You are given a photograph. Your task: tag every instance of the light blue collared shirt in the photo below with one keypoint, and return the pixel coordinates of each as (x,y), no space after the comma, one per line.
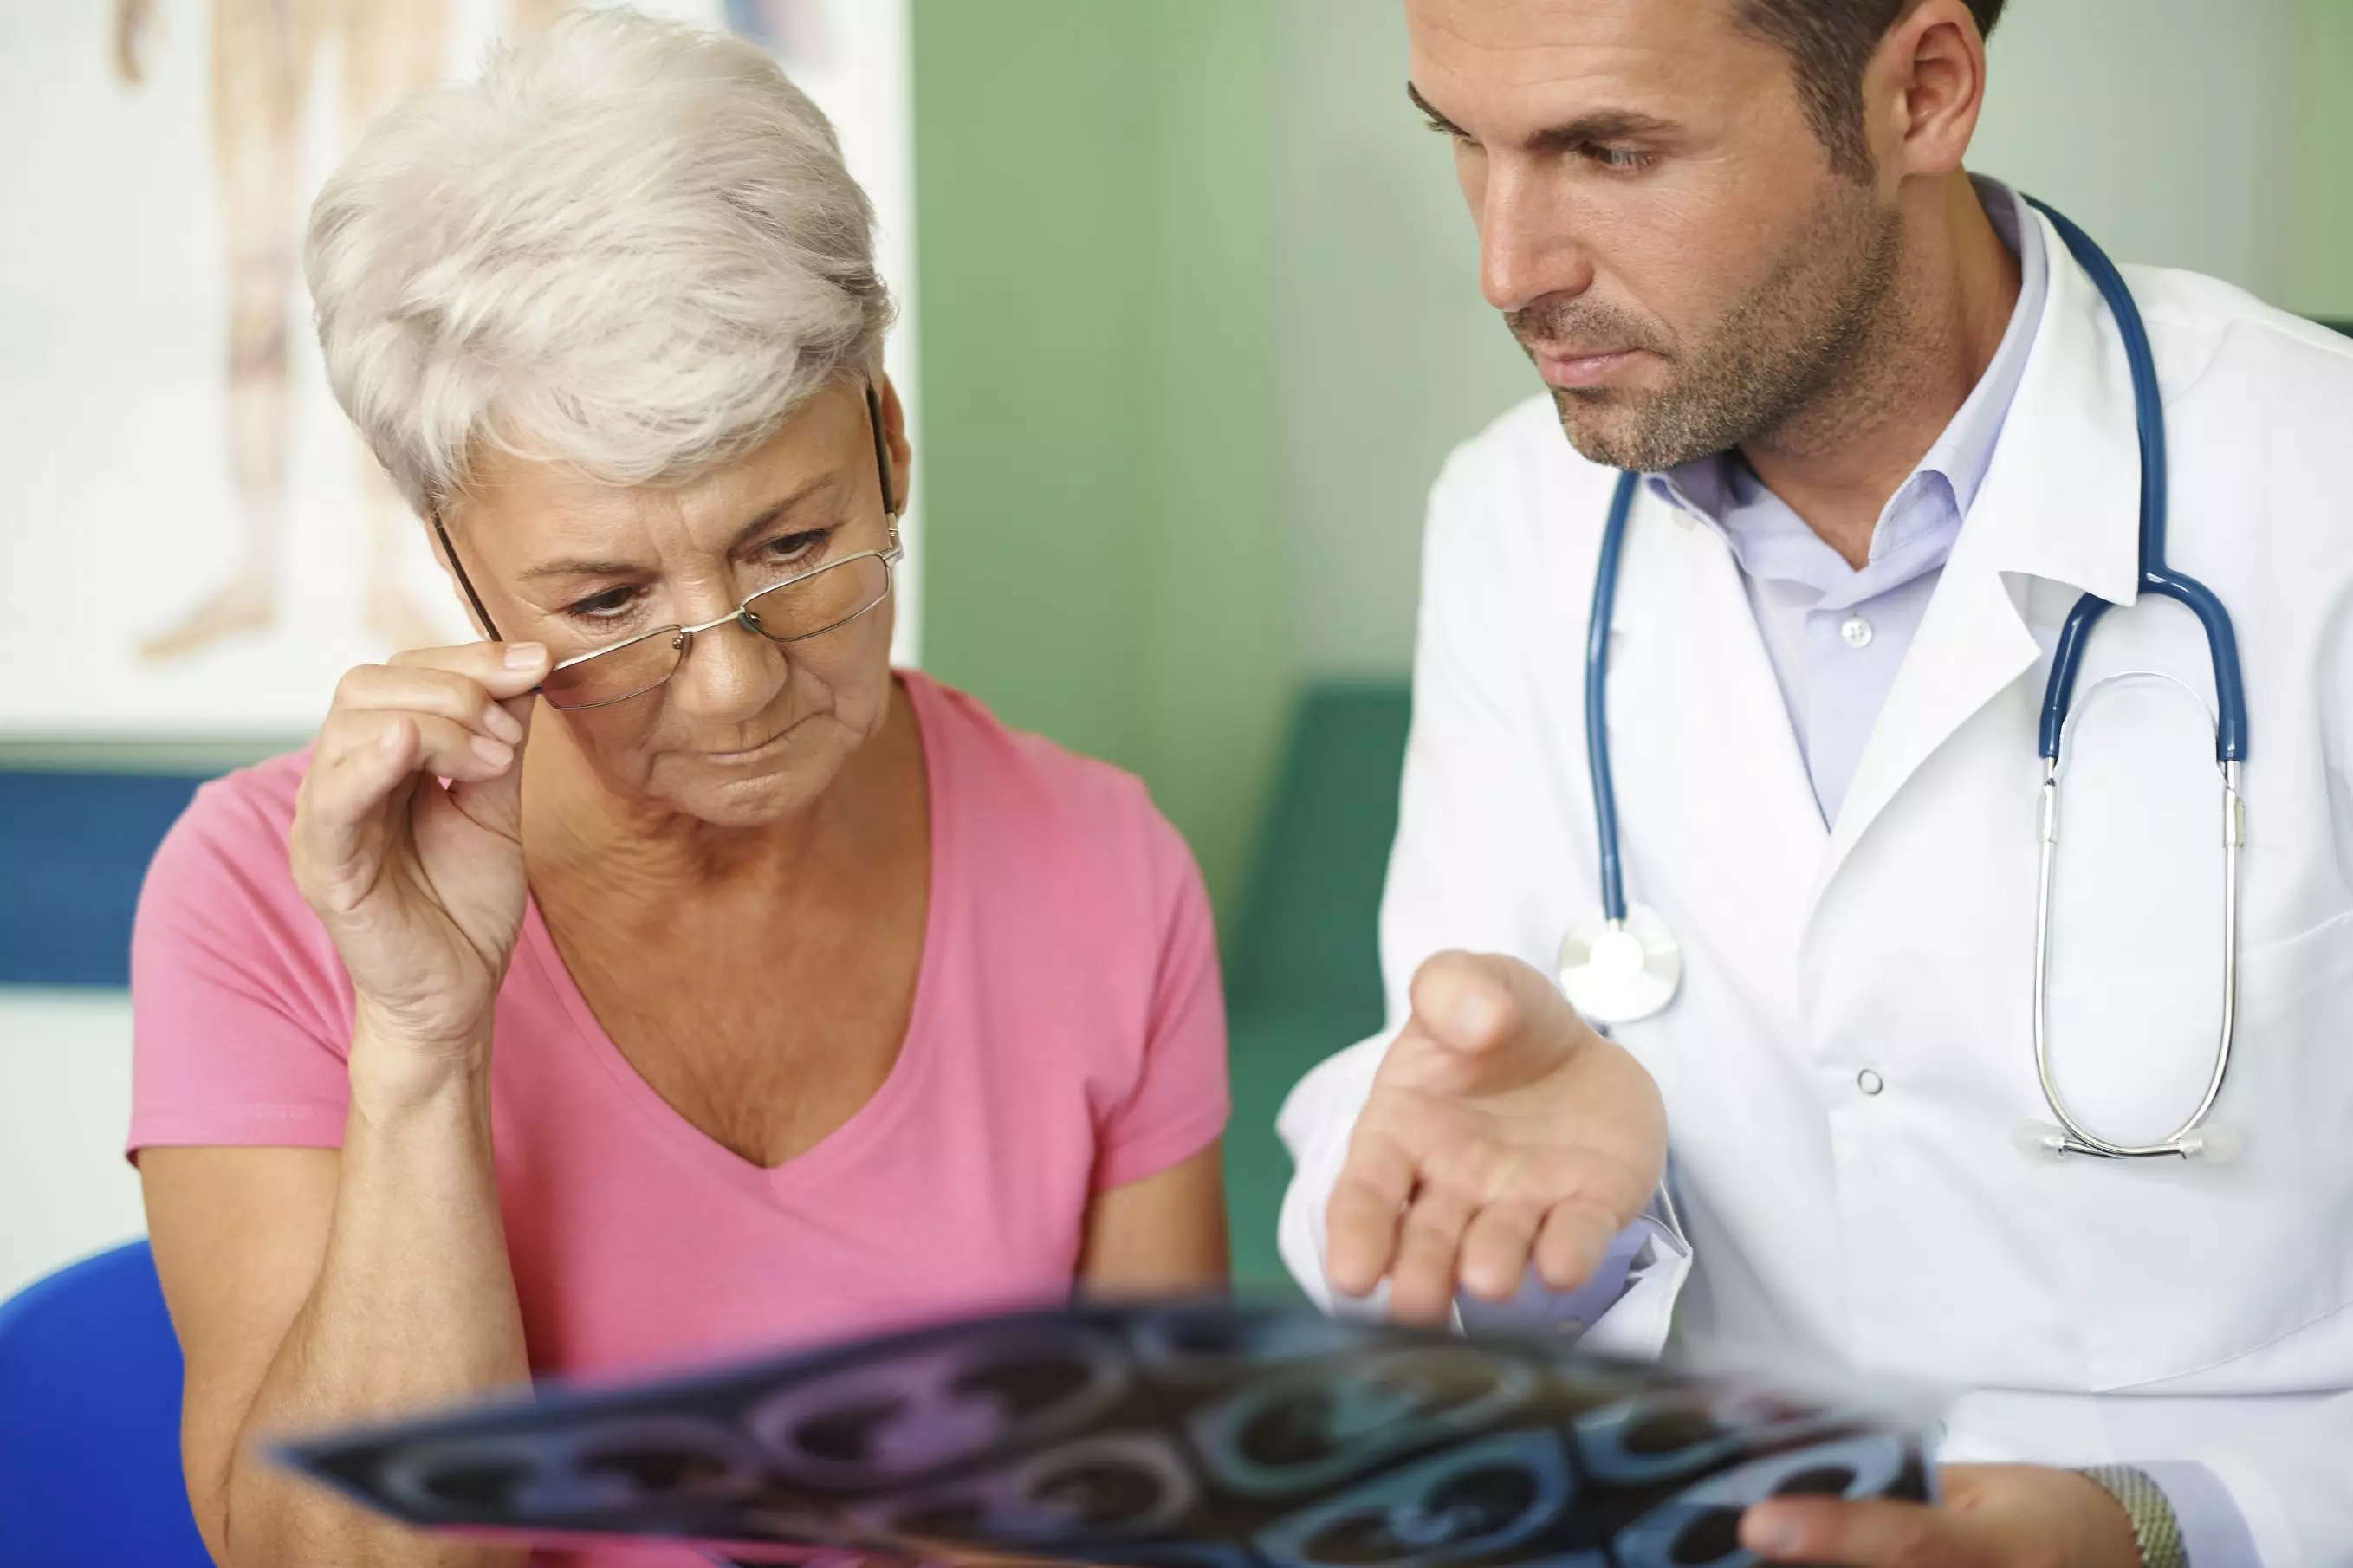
(1837,635)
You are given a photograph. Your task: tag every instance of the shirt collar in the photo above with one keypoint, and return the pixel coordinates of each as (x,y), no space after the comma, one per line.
(1710,487)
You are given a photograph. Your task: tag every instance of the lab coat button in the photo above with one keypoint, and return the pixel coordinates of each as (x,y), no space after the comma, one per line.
(1856,631)
(1869,1081)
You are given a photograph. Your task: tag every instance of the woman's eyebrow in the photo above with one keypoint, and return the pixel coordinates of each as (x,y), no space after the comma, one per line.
(757,523)
(578,568)
(760,521)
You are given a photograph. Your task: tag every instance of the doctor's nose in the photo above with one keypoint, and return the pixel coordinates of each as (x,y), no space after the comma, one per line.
(1527,246)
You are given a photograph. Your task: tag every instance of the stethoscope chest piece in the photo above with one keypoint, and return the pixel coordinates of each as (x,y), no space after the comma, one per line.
(1618,971)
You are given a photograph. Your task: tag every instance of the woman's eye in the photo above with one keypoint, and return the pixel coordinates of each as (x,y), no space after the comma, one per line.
(794,549)
(604,606)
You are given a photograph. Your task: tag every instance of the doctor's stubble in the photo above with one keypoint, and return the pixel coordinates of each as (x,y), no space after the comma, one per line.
(1789,358)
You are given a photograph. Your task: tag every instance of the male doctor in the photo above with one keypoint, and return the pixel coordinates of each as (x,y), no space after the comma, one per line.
(1888,441)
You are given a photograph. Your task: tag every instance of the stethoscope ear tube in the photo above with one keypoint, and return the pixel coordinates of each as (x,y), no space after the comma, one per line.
(2156,576)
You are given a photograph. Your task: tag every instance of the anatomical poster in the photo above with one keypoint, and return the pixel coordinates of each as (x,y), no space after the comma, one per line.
(198,543)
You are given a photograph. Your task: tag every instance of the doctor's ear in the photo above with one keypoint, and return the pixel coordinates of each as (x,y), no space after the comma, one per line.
(1923,89)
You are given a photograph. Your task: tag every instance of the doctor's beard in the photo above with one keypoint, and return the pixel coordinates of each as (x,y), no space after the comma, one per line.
(1800,349)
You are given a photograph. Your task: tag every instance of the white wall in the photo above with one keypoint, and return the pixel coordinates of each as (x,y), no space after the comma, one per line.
(65,1190)
(2166,127)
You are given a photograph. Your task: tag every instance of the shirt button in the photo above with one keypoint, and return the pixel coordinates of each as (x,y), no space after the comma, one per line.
(1856,631)
(1869,1081)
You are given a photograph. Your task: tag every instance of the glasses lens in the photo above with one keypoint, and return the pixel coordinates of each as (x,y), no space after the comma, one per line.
(628,670)
(822,600)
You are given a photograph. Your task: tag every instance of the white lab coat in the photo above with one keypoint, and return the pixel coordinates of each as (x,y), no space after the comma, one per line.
(2092,1311)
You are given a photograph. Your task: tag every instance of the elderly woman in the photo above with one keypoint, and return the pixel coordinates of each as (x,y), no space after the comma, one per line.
(663,975)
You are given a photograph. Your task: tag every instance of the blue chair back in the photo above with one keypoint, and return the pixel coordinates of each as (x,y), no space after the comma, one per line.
(90,1422)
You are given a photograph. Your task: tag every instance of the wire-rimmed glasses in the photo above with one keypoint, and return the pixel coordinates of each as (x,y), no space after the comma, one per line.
(804,606)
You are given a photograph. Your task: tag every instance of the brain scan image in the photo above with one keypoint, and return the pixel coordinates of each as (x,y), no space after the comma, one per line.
(1188,1435)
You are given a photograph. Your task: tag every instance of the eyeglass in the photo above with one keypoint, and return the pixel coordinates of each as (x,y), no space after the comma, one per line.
(804,606)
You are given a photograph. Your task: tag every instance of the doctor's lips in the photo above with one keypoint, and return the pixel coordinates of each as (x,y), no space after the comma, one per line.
(1581,368)
(1569,364)
(1577,344)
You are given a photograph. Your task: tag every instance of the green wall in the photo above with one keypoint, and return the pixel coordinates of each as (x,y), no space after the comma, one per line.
(2320,231)
(1104,560)
(1200,322)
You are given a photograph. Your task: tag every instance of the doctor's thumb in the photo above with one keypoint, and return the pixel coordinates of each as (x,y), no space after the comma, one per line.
(1477,1003)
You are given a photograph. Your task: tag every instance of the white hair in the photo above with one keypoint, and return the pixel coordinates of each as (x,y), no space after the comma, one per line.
(629,247)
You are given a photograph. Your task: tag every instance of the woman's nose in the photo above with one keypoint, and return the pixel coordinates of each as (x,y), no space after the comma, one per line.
(731,672)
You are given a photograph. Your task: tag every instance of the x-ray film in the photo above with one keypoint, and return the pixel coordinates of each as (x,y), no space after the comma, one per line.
(1169,1435)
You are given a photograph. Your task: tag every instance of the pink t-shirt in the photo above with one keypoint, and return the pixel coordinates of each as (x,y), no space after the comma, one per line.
(1067,1036)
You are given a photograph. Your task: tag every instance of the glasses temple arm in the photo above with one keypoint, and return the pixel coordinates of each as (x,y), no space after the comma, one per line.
(456,568)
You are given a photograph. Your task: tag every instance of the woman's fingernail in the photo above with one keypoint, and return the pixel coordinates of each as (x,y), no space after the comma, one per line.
(1770,1533)
(498,754)
(525,655)
(502,724)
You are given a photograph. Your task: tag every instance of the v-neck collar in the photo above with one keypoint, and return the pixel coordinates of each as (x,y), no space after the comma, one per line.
(870,1122)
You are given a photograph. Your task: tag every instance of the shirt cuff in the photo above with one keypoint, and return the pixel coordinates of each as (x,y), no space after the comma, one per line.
(2214,1533)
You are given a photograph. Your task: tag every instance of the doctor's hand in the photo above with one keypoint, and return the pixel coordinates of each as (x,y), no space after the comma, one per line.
(1993,1516)
(1500,1129)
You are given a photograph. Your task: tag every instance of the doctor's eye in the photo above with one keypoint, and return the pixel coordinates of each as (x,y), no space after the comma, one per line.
(1618,160)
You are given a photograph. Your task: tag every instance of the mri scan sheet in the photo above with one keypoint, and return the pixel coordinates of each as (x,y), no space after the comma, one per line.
(1190,1435)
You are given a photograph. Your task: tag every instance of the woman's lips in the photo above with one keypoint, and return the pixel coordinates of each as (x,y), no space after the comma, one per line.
(749,753)
(1570,370)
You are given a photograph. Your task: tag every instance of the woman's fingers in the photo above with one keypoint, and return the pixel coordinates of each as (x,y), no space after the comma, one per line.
(448,694)
(427,741)
(503,670)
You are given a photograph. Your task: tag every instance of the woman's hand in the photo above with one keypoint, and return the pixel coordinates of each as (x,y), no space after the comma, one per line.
(420,886)
(1993,1516)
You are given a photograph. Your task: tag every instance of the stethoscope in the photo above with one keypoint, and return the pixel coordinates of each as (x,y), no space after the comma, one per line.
(1622,963)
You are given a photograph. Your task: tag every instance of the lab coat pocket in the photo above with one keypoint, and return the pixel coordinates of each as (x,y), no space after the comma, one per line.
(2236,1278)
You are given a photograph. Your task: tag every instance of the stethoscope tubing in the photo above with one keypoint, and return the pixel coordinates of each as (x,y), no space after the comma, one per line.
(2155,577)
(1597,686)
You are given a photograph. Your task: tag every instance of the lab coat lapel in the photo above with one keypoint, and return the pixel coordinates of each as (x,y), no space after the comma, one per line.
(1722,784)
(2061,502)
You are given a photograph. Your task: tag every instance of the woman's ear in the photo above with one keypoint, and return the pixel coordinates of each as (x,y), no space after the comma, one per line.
(894,441)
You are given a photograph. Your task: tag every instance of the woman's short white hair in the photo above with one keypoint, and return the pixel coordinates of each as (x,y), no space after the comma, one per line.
(629,247)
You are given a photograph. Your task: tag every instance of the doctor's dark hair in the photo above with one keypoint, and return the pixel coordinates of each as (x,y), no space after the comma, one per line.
(1829,43)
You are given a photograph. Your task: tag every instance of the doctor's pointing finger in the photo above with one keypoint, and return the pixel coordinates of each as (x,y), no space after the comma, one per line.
(1879,713)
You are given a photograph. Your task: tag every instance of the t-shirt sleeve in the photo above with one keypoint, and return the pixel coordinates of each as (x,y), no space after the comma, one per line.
(1180,1102)
(241,1012)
